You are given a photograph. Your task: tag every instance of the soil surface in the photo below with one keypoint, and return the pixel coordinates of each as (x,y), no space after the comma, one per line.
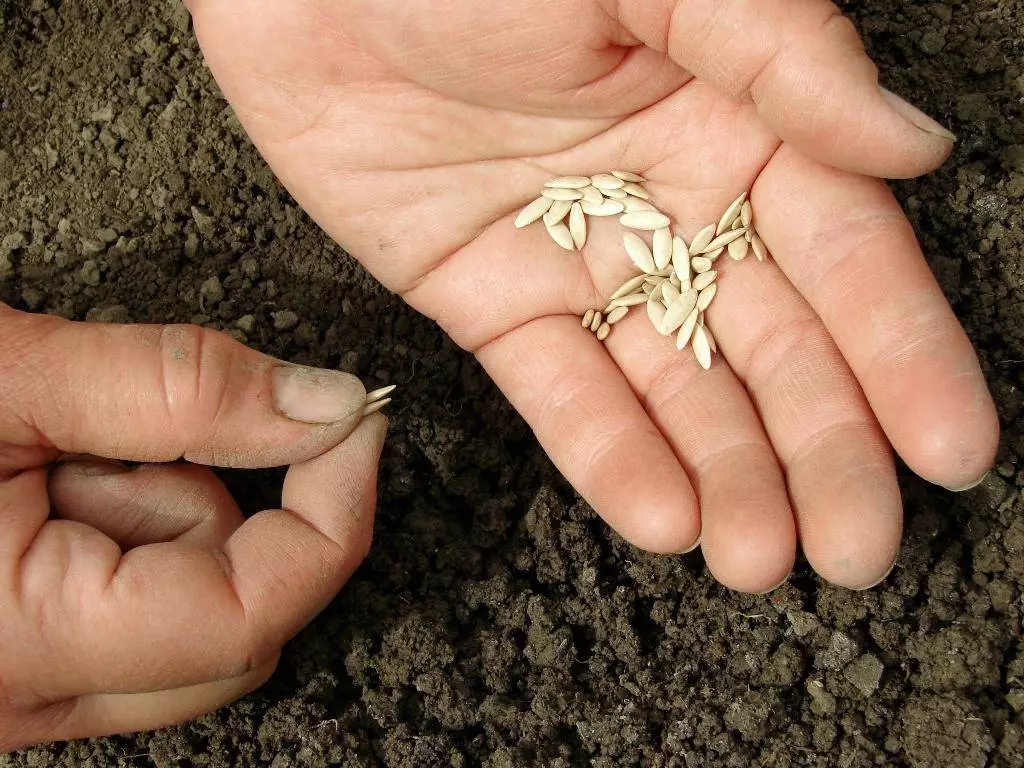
(497,622)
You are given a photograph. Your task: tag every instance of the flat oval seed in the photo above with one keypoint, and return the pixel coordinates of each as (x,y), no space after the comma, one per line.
(629,286)
(738,249)
(636,191)
(605,181)
(606,208)
(645,220)
(702,239)
(686,331)
(738,224)
(592,195)
(748,236)
(662,247)
(629,301)
(656,312)
(578,226)
(638,252)
(700,264)
(587,318)
(616,314)
(705,296)
(712,255)
(707,332)
(617,194)
(603,331)
(562,194)
(557,212)
(703,280)
(568,182)
(759,248)
(669,293)
(636,204)
(746,214)
(701,348)
(561,235)
(722,240)
(533,211)
(629,176)
(731,213)
(677,312)
(596,322)
(680,258)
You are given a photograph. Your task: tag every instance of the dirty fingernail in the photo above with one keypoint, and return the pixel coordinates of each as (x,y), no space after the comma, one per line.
(967,487)
(909,112)
(875,583)
(317,395)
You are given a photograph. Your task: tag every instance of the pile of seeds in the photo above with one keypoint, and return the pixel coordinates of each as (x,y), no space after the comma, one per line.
(677,282)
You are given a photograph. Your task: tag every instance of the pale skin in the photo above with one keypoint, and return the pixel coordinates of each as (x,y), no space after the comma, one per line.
(413,132)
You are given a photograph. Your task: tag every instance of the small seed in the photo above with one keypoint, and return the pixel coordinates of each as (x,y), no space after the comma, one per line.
(664,272)
(677,312)
(629,176)
(655,311)
(634,204)
(674,279)
(568,182)
(563,194)
(704,279)
(605,208)
(629,286)
(707,332)
(648,288)
(758,245)
(596,321)
(605,181)
(533,211)
(561,235)
(680,258)
(705,296)
(700,264)
(377,394)
(658,294)
(712,255)
(617,194)
(738,249)
(738,224)
(557,212)
(722,240)
(603,330)
(748,235)
(645,220)
(686,330)
(662,247)
(592,195)
(730,214)
(638,252)
(701,347)
(702,239)
(669,293)
(578,226)
(587,318)
(375,406)
(616,314)
(636,191)
(746,214)
(629,301)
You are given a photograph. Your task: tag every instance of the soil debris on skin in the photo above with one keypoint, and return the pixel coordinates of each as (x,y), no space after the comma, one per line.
(498,623)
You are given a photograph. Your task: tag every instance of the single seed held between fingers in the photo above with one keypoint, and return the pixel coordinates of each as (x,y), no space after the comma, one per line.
(377,394)
(375,406)
(533,211)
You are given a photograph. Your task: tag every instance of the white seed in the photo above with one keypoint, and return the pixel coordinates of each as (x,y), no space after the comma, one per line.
(712,255)
(656,312)
(532,212)
(701,348)
(674,279)
(561,235)
(557,212)
(616,194)
(746,214)
(638,252)
(377,394)
(605,181)
(375,406)
(645,220)
(605,208)
(616,314)
(629,176)
(629,286)
(731,213)
(563,194)
(629,301)
(704,279)
(592,195)
(636,191)
(704,297)
(702,239)
(568,182)
(700,264)
(662,247)
(669,293)
(658,294)
(686,330)
(636,204)
(738,224)
(758,245)
(676,314)
(578,226)
(707,332)
(664,272)
(738,249)
(595,321)
(648,288)
(680,258)
(748,235)
(603,330)
(722,240)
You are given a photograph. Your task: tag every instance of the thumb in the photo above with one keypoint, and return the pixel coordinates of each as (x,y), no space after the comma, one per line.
(804,66)
(160,393)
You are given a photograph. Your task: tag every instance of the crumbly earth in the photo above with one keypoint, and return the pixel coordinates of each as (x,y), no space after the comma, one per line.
(497,623)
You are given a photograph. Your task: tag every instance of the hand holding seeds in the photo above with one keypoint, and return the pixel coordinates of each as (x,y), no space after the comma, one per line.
(417,138)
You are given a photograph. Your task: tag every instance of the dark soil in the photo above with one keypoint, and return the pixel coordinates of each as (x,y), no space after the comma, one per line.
(497,622)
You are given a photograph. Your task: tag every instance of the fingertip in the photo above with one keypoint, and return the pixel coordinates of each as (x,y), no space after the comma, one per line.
(663,529)
(751,563)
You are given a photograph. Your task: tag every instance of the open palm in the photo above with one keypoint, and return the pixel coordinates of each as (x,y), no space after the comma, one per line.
(414,131)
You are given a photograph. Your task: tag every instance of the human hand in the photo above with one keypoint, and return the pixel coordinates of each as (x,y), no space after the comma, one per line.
(135,598)
(413,132)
